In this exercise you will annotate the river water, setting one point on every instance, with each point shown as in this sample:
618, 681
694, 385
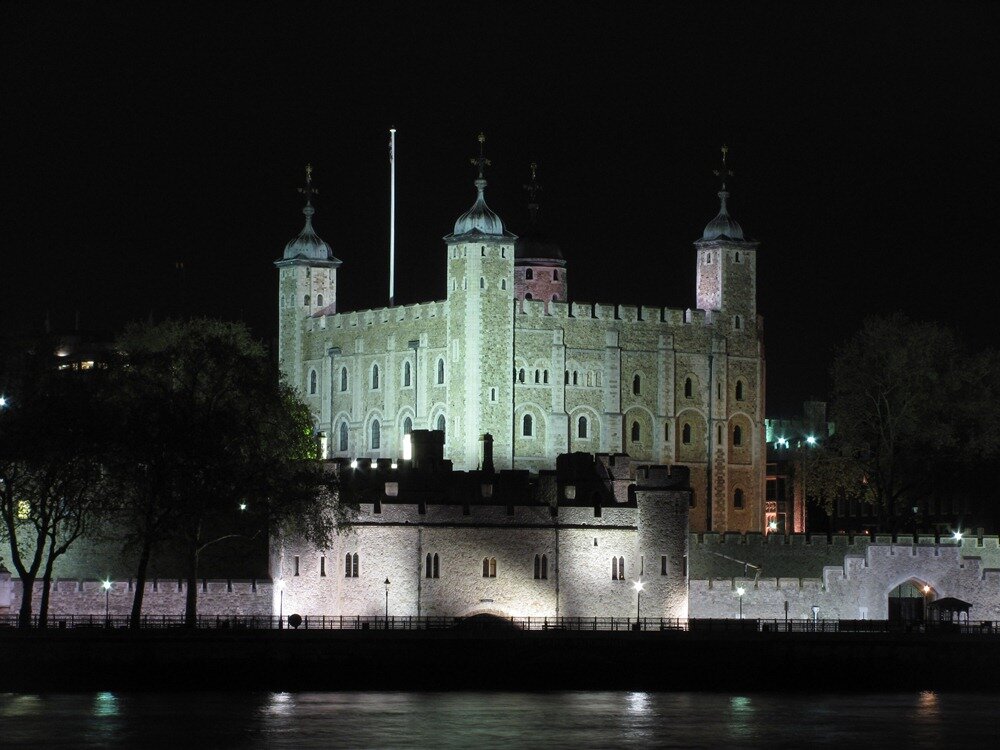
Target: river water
191, 721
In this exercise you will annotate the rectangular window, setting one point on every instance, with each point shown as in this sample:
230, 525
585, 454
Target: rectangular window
322, 565
663, 565
296, 565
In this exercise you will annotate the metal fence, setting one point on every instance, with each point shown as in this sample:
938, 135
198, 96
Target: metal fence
645, 624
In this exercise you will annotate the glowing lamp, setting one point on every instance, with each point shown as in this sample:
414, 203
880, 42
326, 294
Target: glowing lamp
3, 401
740, 591
957, 536
394, 465
927, 589
354, 463
811, 440
773, 525
407, 447
638, 585
106, 585
374, 464
243, 506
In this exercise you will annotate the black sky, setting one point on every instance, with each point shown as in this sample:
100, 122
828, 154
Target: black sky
863, 138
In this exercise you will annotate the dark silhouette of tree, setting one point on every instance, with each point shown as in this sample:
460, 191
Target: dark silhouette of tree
915, 414
52, 444
213, 446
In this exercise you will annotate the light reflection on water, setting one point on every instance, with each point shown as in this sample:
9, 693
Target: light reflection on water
493, 720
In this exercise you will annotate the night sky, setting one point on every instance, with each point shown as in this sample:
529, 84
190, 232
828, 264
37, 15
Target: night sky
864, 142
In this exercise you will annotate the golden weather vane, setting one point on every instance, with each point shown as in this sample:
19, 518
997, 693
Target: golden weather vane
481, 161
725, 171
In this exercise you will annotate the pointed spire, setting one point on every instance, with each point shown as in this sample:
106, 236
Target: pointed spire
723, 225
308, 245
480, 217
533, 189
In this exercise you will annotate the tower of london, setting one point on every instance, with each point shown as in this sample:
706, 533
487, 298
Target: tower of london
509, 352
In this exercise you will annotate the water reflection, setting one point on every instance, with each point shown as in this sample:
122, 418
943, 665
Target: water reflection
493, 720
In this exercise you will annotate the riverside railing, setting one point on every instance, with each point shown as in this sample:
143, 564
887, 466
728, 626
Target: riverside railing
607, 624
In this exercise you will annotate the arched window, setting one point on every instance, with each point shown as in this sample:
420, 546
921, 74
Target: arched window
666, 430
718, 434
493, 394
347, 565
686, 434
489, 567
319, 300
737, 322
538, 376
528, 296
428, 566
635, 432
343, 378
437, 566
440, 423
739, 390
374, 377
555, 297
614, 568
636, 385
737, 435
482, 282
581, 428
407, 426
440, 378
576, 377
406, 374
526, 426
538, 567
351, 565
305, 300
566, 378
738, 499
503, 283
343, 436
520, 375
313, 386
617, 568
529, 273
737, 256
545, 376
541, 567
688, 388
555, 274
376, 435
545, 567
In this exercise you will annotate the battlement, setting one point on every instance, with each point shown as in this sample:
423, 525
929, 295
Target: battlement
533, 308
381, 315
841, 541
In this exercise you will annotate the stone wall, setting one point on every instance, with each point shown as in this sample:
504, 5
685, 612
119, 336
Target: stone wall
161, 597
846, 577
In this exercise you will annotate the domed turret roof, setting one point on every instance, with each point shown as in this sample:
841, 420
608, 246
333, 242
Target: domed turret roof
307, 247
480, 218
723, 226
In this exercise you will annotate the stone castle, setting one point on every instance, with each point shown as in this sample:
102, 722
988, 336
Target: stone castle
506, 353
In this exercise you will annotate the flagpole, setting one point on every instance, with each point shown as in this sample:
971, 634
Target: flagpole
392, 216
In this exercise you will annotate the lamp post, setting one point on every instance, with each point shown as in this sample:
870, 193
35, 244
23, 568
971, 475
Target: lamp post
387, 602
815, 609
106, 585
739, 593
638, 586
281, 605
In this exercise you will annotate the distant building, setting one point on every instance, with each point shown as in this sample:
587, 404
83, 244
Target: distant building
786, 507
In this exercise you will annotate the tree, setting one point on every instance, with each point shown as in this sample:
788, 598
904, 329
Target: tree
911, 405
52, 443
213, 447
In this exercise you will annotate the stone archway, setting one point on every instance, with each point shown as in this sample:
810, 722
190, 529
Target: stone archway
908, 601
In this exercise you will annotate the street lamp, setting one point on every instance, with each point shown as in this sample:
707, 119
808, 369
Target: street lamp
739, 593
281, 604
106, 585
3, 401
957, 536
387, 602
815, 609
638, 586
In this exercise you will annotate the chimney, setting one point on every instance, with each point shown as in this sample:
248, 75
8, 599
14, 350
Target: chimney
487, 466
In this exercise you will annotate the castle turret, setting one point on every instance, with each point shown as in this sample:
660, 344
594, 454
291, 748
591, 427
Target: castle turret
539, 266
480, 356
307, 286
727, 290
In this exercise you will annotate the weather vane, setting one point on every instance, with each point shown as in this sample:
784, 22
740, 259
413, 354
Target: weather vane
725, 171
309, 191
481, 161
533, 187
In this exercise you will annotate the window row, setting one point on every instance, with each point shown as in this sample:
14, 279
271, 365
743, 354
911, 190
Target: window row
376, 377
306, 300
541, 376
375, 432
529, 274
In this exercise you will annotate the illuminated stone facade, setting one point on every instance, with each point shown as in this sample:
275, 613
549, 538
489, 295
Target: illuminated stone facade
544, 376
